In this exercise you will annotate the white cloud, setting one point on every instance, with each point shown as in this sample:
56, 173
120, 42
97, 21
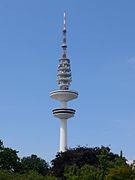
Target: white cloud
131, 60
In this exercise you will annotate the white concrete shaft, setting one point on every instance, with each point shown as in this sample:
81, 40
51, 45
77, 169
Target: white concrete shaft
64, 104
63, 135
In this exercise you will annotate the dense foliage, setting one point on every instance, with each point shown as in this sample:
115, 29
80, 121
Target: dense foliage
94, 160
36, 164
81, 163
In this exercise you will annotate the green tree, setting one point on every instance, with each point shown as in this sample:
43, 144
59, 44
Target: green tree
109, 160
1, 145
122, 173
5, 175
9, 159
78, 156
86, 172
36, 164
29, 175
102, 159
72, 173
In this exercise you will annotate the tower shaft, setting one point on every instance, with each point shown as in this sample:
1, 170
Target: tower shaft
63, 135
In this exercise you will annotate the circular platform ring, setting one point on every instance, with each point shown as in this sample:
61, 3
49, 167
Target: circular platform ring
62, 113
64, 95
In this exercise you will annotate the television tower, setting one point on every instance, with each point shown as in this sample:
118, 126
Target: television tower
63, 95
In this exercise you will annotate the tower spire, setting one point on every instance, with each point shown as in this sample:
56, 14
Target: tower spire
64, 43
65, 20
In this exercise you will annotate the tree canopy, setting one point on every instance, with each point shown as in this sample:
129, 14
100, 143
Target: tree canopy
84, 163
36, 164
100, 158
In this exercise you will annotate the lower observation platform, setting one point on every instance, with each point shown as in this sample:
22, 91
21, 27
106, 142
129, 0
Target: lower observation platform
62, 113
64, 95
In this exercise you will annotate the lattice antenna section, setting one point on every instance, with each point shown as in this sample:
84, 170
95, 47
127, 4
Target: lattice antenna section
64, 70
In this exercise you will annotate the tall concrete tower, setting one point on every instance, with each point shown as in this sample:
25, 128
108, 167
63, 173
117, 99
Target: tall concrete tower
63, 95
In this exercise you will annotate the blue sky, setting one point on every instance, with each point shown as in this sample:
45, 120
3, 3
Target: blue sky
101, 47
